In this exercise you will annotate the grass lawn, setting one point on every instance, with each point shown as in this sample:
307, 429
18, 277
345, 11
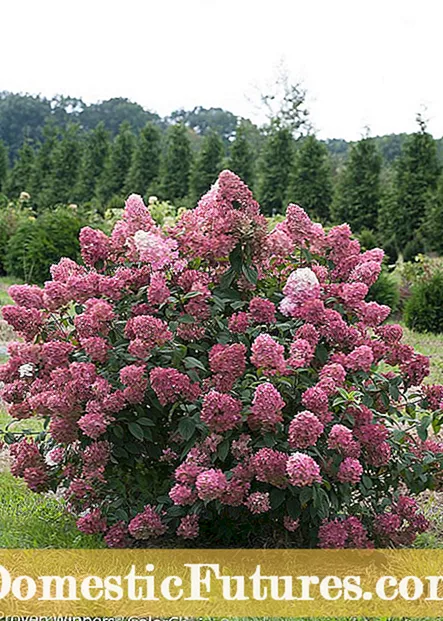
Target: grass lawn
430, 345
30, 520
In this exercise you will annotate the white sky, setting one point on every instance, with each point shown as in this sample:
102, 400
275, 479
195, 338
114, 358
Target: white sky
363, 62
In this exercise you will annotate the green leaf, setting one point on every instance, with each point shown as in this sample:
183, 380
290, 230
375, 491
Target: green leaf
227, 278
193, 363
236, 259
146, 422
136, 431
293, 507
277, 498
186, 428
250, 273
223, 450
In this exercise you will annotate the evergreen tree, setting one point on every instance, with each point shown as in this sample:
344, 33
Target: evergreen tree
65, 168
207, 165
93, 163
145, 160
177, 163
20, 176
357, 200
433, 226
276, 166
241, 159
43, 169
112, 181
311, 182
4, 165
418, 171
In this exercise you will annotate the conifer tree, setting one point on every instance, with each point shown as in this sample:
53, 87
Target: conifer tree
20, 176
241, 161
145, 163
276, 164
357, 200
311, 181
4, 165
65, 167
208, 164
433, 225
177, 163
43, 168
113, 179
95, 154
418, 171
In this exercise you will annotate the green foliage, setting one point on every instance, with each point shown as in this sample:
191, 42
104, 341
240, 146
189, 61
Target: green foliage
276, 166
208, 164
241, 160
206, 120
358, 195
65, 168
113, 113
4, 164
311, 182
42, 172
162, 212
177, 163
145, 161
418, 171
93, 163
10, 217
113, 179
19, 179
433, 226
367, 239
385, 290
413, 248
22, 117
423, 310
37, 243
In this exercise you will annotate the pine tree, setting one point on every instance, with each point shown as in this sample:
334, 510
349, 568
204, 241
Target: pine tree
4, 165
113, 179
357, 200
93, 163
65, 168
207, 165
177, 163
43, 168
276, 164
241, 160
311, 181
145, 163
418, 171
19, 179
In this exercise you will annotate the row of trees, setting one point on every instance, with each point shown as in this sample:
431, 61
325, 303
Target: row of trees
402, 203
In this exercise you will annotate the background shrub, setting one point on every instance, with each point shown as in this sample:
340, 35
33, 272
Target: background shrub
385, 290
424, 309
39, 242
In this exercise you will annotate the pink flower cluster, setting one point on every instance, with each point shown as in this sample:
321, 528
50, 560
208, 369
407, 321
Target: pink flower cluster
249, 394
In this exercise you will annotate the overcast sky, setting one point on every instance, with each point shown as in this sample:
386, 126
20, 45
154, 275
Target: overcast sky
363, 62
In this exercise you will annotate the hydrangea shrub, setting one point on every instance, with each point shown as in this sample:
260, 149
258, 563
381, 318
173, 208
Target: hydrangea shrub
215, 380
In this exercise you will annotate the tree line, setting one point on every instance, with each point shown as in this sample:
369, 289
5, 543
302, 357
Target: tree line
396, 202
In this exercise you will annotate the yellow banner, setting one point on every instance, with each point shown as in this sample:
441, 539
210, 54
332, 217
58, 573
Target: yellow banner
221, 583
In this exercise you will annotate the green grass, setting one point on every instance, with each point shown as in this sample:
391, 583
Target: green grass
30, 520
5, 283
430, 345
